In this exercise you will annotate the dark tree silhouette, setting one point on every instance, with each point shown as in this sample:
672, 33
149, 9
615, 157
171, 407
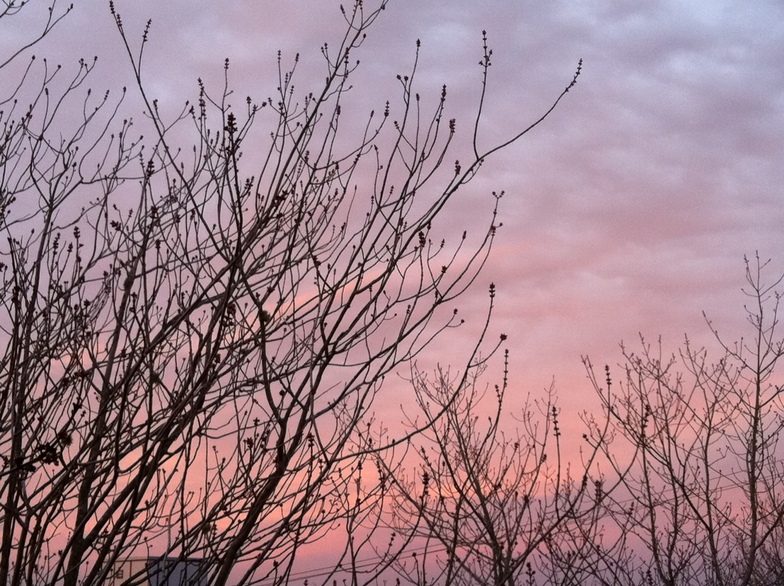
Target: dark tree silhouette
484, 502
192, 338
698, 454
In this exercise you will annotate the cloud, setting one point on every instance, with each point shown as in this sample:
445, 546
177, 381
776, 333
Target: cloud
629, 210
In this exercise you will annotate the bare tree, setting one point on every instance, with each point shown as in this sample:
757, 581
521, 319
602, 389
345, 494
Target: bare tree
484, 504
192, 337
698, 451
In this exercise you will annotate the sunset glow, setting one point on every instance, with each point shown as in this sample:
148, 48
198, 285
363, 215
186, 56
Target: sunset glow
618, 231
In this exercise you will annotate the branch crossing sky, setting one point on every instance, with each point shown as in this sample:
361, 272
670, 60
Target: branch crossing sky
629, 210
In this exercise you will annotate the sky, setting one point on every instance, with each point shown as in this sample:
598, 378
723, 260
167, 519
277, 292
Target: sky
627, 212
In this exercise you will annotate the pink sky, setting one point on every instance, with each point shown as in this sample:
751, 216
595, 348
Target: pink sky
628, 211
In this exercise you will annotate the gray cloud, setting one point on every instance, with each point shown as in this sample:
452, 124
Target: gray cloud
629, 210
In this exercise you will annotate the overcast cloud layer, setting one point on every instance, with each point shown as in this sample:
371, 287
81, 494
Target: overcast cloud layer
630, 210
